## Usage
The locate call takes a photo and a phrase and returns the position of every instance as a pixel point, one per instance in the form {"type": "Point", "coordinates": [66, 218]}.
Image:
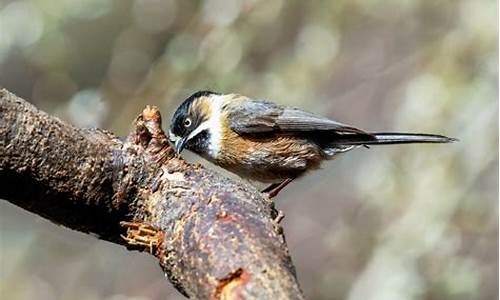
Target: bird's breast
{"type": "Point", "coordinates": [266, 159]}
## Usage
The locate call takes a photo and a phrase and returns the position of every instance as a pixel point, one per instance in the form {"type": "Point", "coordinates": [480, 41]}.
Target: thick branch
{"type": "Point", "coordinates": [214, 238]}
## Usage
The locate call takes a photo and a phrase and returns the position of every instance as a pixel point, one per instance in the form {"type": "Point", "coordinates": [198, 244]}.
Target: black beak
{"type": "Point", "coordinates": [180, 144]}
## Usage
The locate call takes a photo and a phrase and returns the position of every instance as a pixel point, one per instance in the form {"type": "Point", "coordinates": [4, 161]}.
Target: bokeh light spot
{"type": "Point", "coordinates": [89, 9]}
{"type": "Point", "coordinates": [87, 108]}
{"type": "Point", "coordinates": [221, 51]}
{"type": "Point", "coordinates": [154, 15]}
{"type": "Point", "coordinates": [182, 52]}
{"type": "Point", "coordinates": [316, 45]}
{"type": "Point", "coordinates": [221, 12]}
{"type": "Point", "coordinates": [23, 22]}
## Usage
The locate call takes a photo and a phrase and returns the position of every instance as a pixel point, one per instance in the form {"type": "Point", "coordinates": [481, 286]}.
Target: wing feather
{"type": "Point", "coordinates": [258, 116]}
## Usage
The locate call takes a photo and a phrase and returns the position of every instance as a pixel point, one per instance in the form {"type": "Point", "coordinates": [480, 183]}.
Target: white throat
{"type": "Point", "coordinates": [215, 125]}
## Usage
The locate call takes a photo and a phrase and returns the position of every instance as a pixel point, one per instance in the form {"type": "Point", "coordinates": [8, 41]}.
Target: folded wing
{"type": "Point", "coordinates": [258, 116]}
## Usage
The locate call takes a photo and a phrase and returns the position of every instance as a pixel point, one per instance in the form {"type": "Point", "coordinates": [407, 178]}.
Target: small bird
{"type": "Point", "coordinates": [263, 141]}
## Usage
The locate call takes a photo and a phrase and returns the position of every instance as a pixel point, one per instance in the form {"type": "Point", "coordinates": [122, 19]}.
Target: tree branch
{"type": "Point", "coordinates": [214, 238]}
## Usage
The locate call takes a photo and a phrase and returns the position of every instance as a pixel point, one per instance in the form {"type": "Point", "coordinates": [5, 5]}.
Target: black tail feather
{"type": "Point", "coordinates": [389, 138]}
{"type": "Point", "coordinates": [404, 138]}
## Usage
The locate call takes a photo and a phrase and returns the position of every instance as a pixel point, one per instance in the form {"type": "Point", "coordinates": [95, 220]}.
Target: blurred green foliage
{"type": "Point", "coordinates": [402, 222]}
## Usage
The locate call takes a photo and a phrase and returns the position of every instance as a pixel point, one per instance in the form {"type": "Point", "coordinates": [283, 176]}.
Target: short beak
{"type": "Point", "coordinates": [180, 144]}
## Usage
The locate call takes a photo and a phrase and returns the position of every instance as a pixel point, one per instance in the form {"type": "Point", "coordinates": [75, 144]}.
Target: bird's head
{"type": "Point", "coordinates": [193, 122]}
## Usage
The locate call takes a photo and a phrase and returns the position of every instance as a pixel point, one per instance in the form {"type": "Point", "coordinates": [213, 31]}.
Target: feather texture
{"type": "Point", "coordinates": [247, 116]}
{"type": "Point", "coordinates": [264, 141]}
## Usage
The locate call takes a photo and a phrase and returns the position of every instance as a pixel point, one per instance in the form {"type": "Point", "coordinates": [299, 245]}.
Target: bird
{"type": "Point", "coordinates": [263, 141]}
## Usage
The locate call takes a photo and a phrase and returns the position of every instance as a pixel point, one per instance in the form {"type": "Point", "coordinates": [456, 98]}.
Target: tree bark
{"type": "Point", "coordinates": [214, 238]}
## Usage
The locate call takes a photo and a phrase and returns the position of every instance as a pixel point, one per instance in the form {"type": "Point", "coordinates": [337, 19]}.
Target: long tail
{"type": "Point", "coordinates": [347, 142]}
{"type": "Point", "coordinates": [388, 138]}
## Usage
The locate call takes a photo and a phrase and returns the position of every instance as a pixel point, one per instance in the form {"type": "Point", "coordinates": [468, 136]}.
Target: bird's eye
{"type": "Point", "coordinates": [187, 122]}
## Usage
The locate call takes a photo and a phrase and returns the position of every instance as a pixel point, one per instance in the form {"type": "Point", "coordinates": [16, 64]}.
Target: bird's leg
{"type": "Point", "coordinates": [275, 188]}
{"type": "Point", "coordinates": [270, 187]}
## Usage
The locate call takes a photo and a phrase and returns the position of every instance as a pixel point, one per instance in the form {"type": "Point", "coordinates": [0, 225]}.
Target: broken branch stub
{"type": "Point", "coordinates": [215, 238]}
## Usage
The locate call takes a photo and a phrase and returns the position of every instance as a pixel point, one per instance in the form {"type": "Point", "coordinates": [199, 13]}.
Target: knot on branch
{"type": "Point", "coordinates": [149, 135]}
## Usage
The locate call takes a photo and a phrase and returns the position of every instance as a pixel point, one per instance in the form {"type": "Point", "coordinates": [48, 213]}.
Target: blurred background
{"type": "Point", "coordinates": [400, 222]}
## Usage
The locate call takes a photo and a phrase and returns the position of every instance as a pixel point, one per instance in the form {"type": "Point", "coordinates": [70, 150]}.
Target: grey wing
{"type": "Point", "coordinates": [252, 116]}
{"type": "Point", "coordinates": [258, 116]}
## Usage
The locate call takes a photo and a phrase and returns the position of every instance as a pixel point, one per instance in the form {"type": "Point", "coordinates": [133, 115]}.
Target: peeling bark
{"type": "Point", "coordinates": [214, 238]}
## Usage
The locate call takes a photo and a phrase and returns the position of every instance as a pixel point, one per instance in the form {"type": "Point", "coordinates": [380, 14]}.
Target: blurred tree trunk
{"type": "Point", "coordinates": [214, 238]}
